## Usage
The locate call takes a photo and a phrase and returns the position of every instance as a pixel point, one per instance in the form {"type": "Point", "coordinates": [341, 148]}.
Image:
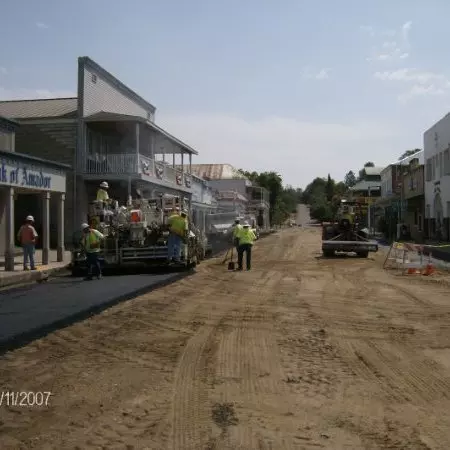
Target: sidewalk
{"type": "Point", "coordinates": [19, 276]}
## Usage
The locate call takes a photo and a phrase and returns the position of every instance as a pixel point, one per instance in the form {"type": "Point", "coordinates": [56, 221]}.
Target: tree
{"type": "Point", "coordinates": [369, 164]}
{"type": "Point", "coordinates": [350, 179]}
{"type": "Point", "coordinates": [329, 188]}
{"type": "Point", "coordinates": [409, 153]}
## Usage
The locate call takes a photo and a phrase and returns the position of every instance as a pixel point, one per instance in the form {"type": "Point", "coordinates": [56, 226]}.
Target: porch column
{"type": "Point", "coordinates": [182, 161]}
{"type": "Point", "coordinates": [9, 229]}
{"type": "Point", "coordinates": [45, 228]}
{"type": "Point", "coordinates": [173, 160]}
{"type": "Point", "coordinates": [137, 146]}
{"type": "Point", "coordinates": [60, 248]}
{"type": "Point", "coordinates": [190, 162]}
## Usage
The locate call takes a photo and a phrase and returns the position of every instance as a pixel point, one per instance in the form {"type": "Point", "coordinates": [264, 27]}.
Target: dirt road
{"type": "Point", "coordinates": [299, 353]}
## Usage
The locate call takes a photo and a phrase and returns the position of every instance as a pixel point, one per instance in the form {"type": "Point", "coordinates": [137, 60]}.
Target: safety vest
{"type": "Point", "coordinates": [178, 224]}
{"type": "Point", "coordinates": [92, 242]}
{"type": "Point", "coordinates": [237, 229]}
{"type": "Point", "coordinates": [348, 217]}
{"type": "Point", "coordinates": [246, 236]}
{"type": "Point", "coordinates": [102, 195]}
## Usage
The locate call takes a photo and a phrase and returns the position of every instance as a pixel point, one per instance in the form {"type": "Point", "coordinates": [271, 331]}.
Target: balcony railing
{"type": "Point", "coordinates": [132, 164]}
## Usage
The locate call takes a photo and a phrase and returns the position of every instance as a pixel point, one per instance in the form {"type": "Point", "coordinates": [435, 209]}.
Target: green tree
{"type": "Point", "coordinates": [350, 179]}
{"type": "Point", "coordinates": [361, 172]}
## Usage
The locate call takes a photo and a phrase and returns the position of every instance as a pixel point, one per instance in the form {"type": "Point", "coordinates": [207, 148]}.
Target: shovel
{"type": "Point", "coordinates": [231, 264]}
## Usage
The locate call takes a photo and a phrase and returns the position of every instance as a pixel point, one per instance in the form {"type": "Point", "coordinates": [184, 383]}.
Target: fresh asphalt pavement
{"type": "Point", "coordinates": [29, 312]}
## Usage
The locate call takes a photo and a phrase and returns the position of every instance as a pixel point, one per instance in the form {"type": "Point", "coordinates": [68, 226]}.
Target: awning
{"type": "Point", "coordinates": [104, 116]}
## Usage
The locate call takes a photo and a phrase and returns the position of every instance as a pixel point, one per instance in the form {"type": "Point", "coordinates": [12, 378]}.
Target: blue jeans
{"type": "Point", "coordinates": [93, 264]}
{"type": "Point", "coordinates": [174, 246]}
{"type": "Point", "coordinates": [28, 254]}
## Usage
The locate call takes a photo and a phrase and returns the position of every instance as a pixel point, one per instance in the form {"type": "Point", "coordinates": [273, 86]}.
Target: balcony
{"type": "Point", "coordinates": [125, 165]}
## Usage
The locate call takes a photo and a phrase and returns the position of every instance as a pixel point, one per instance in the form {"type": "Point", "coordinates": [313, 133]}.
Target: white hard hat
{"type": "Point", "coordinates": [84, 226]}
{"type": "Point", "coordinates": [104, 184]}
{"type": "Point", "coordinates": [246, 224]}
{"type": "Point", "coordinates": [177, 208]}
{"type": "Point", "coordinates": [183, 211]}
{"type": "Point", "coordinates": [30, 218]}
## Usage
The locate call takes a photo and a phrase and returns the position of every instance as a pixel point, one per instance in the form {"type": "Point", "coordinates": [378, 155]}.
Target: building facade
{"type": "Point", "coordinates": [106, 133]}
{"type": "Point", "coordinates": [436, 142]}
{"type": "Point", "coordinates": [29, 186]}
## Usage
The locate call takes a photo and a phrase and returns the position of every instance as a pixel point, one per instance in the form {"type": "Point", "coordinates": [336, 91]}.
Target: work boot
{"type": "Point", "coordinates": [26, 268]}
{"type": "Point", "coordinates": [88, 278]}
{"type": "Point", "coordinates": [99, 276]}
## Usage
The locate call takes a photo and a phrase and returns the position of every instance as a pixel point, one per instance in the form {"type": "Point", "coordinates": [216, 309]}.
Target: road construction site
{"type": "Point", "coordinates": [301, 352]}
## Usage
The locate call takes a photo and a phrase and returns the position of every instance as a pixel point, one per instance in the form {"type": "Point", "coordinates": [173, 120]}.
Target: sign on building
{"type": "Point", "coordinates": [20, 175]}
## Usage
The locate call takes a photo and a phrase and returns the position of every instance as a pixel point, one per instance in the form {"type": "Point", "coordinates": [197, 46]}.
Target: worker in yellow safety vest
{"type": "Point", "coordinates": [102, 193]}
{"type": "Point", "coordinates": [236, 229]}
{"type": "Point", "coordinates": [178, 229]}
{"type": "Point", "coordinates": [246, 239]}
{"type": "Point", "coordinates": [90, 242]}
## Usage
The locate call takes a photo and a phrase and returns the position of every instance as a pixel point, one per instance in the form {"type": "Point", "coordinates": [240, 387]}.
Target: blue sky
{"type": "Point", "coordinates": [305, 88]}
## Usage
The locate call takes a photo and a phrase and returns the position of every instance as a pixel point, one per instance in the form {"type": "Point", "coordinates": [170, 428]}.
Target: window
{"type": "Point", "coordinates": [447, 162]}
{"type": "Point", "coordinates": [420, 223]}
{"type": "Point", "coordinates": [94, 78]}
{"type": "Point", "coordinates": [448, 209]}
{"type": "Point", "coordinates": [441, 166]}
{"type": "Point", "coordinates": [6, 140]}
{"type": "Point", "coordinates": [429, 170]}
{"type": "Point", "coordinates": [434, 165]}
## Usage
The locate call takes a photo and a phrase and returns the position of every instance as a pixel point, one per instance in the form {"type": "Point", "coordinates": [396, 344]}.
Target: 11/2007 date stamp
{"type": "Point", "coordinates": [26, 399]}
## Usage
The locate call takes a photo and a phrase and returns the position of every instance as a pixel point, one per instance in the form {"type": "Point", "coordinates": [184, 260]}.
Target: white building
{"type": "Point", "coordinates": [436, 142]}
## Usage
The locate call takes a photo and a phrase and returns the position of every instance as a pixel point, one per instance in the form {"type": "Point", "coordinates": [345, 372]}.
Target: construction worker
{"type": "Point", "coordinates": [347, 215]}
{"type": "Point", "coordinates": [102, 193]}
{"type": "Point", "coordinates": [236, 229]}
{"type": "Point", "coordinates": [177, 233]}
{"type": "Point", "coordinates": [27, 237]}
{"type": "Point", "coordinates": [246, 239]}
{"type": "Point", "coordinates": [91, 241]}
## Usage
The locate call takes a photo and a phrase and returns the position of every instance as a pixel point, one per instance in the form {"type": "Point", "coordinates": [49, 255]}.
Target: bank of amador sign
{"type": "Point", "coordinates": [18, 174]}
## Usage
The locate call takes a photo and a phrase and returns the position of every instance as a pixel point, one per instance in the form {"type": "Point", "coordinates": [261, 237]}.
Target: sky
{"type": "Point", "coordinates": [300, 87]}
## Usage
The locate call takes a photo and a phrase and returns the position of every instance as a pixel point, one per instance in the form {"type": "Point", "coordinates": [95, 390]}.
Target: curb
{"type": "Point", "coordinates": [31, 276]}
{"type": "Point", "coordinates": [23, 339]}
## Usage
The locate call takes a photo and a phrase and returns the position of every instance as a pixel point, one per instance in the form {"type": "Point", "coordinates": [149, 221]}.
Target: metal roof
{"type": "Point", "coordinates": [216, 171]}
{"type": "Point", "coordinates": [33, 159]}
{"type": "Point", "coordinates": [37, 109]}
{"type": "Point", "coordinates": [365, 185]}
{"type": "Point", "coordinates": [104, 116]}
{"type": "Point", "coordinates": [373, 170]}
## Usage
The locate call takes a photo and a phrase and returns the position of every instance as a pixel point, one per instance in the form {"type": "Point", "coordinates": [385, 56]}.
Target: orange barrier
{"type": "Point", "coordinates": [409, 259]}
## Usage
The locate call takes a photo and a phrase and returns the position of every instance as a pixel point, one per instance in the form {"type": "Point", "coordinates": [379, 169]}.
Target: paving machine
{"type": "Point", "coordinates": [347, 234]}
{"type": "Point", "coordinates": [138, 233]}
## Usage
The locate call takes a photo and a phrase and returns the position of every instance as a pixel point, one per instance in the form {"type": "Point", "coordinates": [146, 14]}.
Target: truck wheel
{"type": "Point", "coordinates": [328, 253]}
{"type": "Point", "coordinates": [362, 254]}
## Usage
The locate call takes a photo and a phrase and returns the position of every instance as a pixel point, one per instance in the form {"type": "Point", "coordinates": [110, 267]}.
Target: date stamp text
{"type": "Point", "coordinates": [26, 399]}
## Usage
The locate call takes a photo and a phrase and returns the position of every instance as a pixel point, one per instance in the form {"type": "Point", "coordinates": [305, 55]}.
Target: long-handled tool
{"type": "Point", "coordinates": [231, 264]}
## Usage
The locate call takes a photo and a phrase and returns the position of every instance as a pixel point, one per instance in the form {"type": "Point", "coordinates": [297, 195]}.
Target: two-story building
{"type": "Point", "coordinates": [366, 191]}
{"type": "Point", "coordinates": [29, 186]}
{"type": "Point", "coordinates": [436, 141]}
{"type": "Point", "coordinates": [106, 133]}
{"type": "Point", "coordinates": [401, 200]}
{"type": "Point", "coordinates": [235, 192]}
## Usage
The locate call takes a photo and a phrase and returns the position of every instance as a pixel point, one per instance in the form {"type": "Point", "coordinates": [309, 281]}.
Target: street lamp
{"type": "Point", "coordinates": [369, 209]}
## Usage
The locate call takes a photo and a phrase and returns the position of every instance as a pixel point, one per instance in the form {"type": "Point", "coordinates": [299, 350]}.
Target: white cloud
{"type": "Point", "coordinates": [397, 47]}
{"type": "Point", "coordinates": [420, 83]}
{"type": "Point", "coordinates": [41, 25]}
{"type": "Point", "coordinates": [314, 74]}
{"type": "Point", "coordinates": [30, 94]}
{"type": "Point", "coordinates": [298, 150]}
